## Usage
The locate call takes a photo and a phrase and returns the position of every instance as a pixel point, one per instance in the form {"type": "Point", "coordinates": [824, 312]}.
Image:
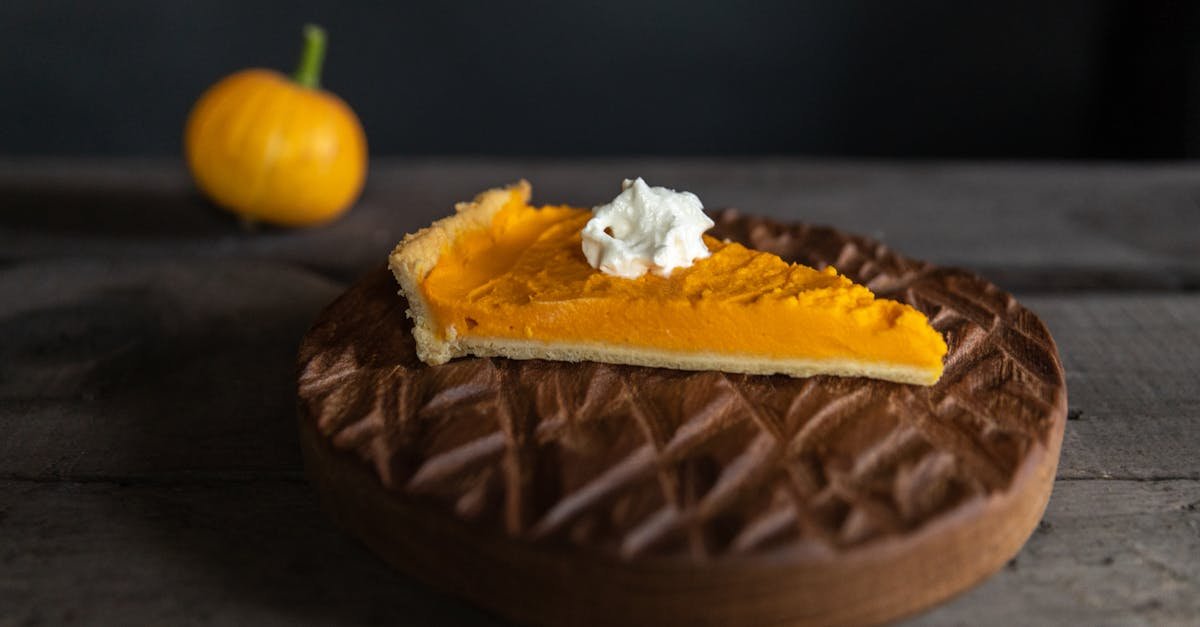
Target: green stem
{"type": "Point", "coordinates": [308, 72]}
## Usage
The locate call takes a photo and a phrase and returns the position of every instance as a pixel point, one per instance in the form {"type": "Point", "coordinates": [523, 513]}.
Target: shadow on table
{"type": "Point", "coordinates": [113, 212]}
{"type": "Point", "coordinates": [170, 387]}
{"type": "Point", "coordinates": [168, 219]}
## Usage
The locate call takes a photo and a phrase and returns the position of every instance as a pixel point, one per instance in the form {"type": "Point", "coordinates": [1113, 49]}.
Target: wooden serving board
{"type": "Point", "coordinates": [594, 494]}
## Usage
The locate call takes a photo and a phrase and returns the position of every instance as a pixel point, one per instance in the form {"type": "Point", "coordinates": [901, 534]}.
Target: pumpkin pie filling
{"type": "Point", "coordinates": [511, 279]}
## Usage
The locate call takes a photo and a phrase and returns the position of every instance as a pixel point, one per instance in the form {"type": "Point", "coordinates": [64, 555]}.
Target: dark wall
{"type": "Point", "coordinates": [920, 78]}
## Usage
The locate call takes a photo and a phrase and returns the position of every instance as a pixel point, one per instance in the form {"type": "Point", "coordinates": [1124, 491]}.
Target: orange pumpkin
{"type": "Point", "coordinates": [276, 149]}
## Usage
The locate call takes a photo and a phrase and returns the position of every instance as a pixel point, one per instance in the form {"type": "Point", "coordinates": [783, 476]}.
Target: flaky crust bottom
{"type": "Point", "coordinates": [676, 360]}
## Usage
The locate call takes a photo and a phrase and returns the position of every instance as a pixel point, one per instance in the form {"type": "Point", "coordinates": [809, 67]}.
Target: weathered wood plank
{"type": "Point", "coordinates": [1132, 365]}
{"type": "Point", "coordinates": [1109, 552]}
{"type": "Point", "coordinates": [161, 377]}
{"type": "Point", "coordinates": [258, 553]}
{"type": "Point", "coordinates": [128, 369]}
{"type": "Point", "coordinates": [131, 370]}
{"type": "Point", "coordinates": [1028, 226]}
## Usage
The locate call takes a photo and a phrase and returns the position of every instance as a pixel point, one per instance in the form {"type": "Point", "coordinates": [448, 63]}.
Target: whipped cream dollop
{"type": "Point", "coordinates": [646, 229]}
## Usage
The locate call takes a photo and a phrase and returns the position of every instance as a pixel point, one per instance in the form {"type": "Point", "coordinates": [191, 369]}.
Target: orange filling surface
{"type": "Point", "coordinates": [526, 278]}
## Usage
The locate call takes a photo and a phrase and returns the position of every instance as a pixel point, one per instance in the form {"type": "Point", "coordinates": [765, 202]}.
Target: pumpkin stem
{"type": "Point", "coordinates": [308, 71]}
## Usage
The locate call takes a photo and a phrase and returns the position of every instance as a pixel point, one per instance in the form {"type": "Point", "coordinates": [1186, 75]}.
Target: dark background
{"type": "Point", "coordinates": [1045, 79]}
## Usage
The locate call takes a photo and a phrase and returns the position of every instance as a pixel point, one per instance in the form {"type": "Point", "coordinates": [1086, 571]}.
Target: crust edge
{"type": "Point", "coordinates": [416, 255]}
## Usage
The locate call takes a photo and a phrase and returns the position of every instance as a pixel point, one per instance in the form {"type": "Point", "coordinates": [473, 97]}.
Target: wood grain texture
{"type": "Point", "coordinates": [262, 552]}
{"type": "Point", "coordinates": [685, 498]}
{"type": "Point", "coordinates": [1107, 553]}
{"type": "Point", "coordinates": [245, 552]}
{"type": "Point", "coordinates": [115, 510]}
{"type": "Point", "coordinates": [86, 352]}
{"type": "Point", "coordinates": [1056, 226]}
{"type": "Point", "coordinates": [125, 369]}
{"type": "Point", "coordinates": [1132, 367]}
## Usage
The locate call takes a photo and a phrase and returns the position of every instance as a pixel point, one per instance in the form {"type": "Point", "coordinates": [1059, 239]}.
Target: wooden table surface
{"type": "Point", "coordinates": [149, 471]}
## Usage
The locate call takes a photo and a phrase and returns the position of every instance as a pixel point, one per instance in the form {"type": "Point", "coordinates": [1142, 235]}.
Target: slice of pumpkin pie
{"type": "Point", "coordinates": [636, 282]}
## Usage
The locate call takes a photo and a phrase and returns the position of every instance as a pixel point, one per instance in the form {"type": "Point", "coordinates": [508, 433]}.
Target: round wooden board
{"type": "Point", "coordinates": [593, 494]}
